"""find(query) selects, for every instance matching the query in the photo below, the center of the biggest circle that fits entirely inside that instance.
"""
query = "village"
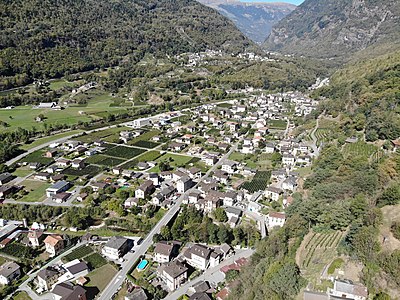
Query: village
(236, 161)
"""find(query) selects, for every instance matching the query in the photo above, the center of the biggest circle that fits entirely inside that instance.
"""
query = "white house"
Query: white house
(349, 290)
(198, 256)
(183, 184)
(273, 193)
(115, 248)
(229, 166)
(163, 252)
(9, 272)
(276, 219)
(174, 274)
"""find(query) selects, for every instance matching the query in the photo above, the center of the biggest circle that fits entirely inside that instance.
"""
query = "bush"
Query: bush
(395, 229)
(337, 263)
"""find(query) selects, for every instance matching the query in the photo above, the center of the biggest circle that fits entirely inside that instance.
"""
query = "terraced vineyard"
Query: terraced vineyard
(323, 135)
(316, 252)
(369, 151)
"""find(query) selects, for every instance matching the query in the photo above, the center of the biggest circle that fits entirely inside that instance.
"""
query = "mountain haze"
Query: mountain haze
(49, 38)
(254, 19)
(336, 29)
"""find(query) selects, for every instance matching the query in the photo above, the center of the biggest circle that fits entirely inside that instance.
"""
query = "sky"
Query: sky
(296, 2)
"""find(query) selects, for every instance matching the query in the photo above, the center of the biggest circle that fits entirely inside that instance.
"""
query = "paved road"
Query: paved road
(209, 273)
(118, 280)
(314, 138)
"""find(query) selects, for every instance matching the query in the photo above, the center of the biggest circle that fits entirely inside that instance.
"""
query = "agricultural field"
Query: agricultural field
(90, 171)
(124, 152)
(259, 182)
(316, 252)
(368, 151)
(40, 141)
(146, 144)
(22, 171)
(323, 135)
(78, 253)
(111, 133)
(145, 157)
(95, 260)
(36, 189)
(277, 124)
(17, 250)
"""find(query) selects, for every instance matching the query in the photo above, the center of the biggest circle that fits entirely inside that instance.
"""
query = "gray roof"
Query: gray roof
(79, 267)
(174, 269)
(116, 242)
(8, 268)
(47, 273)
(201, 251)
(163, 248)
(200, 296)
(234, 210)
(137, 294)
(68, 291)
(59, 185)
(5, 176)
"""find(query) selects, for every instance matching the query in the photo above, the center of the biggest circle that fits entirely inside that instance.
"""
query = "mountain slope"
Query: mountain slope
(255, 20)
(336, 29)
(50, 38)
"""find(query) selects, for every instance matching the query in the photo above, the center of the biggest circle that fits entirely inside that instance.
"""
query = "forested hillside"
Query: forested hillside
(336, 29)
(370, 93)
(51, 38)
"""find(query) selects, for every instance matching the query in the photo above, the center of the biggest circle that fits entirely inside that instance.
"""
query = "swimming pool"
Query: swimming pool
(142, 265)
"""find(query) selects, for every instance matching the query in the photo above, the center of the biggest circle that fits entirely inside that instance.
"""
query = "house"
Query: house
(276, 219)
(183, 184)
(34, 165)
(253, 207)
(42, 176)
(99, 186)
(210, 160)
(58, 187)
(61, 197)
(194, 173)
(278, 175)
(273, 193)
(73, 270)
(233, 212)
(47, 277)
(163, 252)
(174, 274)
(45, 105)
(82, 197)
(68, 291)
(54, 244)
(288, 160)
(62, 162)
(269, 148)
(138, 123)
(117, 171)
(154, 178)
(131, 202)
(349, 290)
(115, 248)
(230, 198)
(5, 178)
(396, 145)
(229, 166)
(9, 272)
(125, 136)
(290, 184)
(78, 164)
(35, 238)
(137, 294)
(174, 146)
(198, 256)
(145, 189)
(6, 190)
(212, 201)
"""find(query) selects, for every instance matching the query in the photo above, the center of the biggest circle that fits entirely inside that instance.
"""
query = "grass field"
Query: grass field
(123, 152)
(37, 156)
(36, 189)
(22, 171)
(88, 170)
(95, 260)
(145, 136)
(78, 253)
(21, 296)
(101, 277)
(175, 161)
(277, 124)
(101, 134)
(47, 139)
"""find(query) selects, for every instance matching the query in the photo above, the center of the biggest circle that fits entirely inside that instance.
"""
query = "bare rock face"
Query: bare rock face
(336, 29)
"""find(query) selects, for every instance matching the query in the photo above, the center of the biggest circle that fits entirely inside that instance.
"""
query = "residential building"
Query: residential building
(163, 252)
(145, 189)
(58, 187)
(115, 248)
(47, 277)
(276, 219)
(273, 193)
(54, 244)
(35, 238)
(6, 190)
(5, 178)
(349, 290)
(68, 291)
(174, 274)
(9, 272)
(183, 184)
(288, 160)
(229, 166)
(198, 256)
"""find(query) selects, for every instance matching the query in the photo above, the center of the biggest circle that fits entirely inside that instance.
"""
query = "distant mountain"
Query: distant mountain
(337, 29)
(255, 20)
(50, 38)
